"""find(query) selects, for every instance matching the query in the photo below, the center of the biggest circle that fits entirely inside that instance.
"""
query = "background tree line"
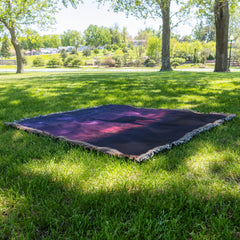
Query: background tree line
(195, 48)
(17, 15)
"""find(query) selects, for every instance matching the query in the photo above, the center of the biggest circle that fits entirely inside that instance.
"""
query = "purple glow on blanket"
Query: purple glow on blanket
(132, 131)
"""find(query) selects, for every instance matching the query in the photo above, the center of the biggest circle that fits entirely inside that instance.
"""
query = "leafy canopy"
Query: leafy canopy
(21, 13)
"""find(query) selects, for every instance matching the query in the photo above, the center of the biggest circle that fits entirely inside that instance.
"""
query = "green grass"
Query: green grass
(53, 190)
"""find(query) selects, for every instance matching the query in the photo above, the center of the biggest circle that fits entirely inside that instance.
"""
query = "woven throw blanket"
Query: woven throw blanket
(122, 130)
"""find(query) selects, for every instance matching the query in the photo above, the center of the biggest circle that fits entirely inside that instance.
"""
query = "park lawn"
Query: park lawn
(53, 190)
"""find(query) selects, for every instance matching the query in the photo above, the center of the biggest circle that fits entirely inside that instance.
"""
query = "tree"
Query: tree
(51, 41)
(144, 9)
(221, 10)
(165, 9)
(144, 35)
(115, 35)
(154, 48)
(15, 15)
(72, 38)
(205, 32)
(97, 36)
(31, 41)
(124, 35)
(5, 50)
(234, 25)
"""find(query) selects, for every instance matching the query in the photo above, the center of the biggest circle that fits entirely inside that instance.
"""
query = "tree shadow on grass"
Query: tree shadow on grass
(43, 206)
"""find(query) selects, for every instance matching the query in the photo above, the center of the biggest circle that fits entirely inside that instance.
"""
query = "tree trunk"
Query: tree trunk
(221, 12)
(17, 48)
(165, 8)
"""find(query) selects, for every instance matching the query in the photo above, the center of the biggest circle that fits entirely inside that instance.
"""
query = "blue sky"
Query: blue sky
(89, 13)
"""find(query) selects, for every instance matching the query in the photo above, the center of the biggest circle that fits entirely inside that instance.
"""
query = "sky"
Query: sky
(88, 13)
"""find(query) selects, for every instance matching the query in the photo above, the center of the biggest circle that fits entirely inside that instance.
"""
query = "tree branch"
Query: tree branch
(5, 23)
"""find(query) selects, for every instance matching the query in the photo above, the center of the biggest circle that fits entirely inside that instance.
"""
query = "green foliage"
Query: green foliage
(54, 62)
(115, 47)
(71, 38)
(77, 62)
(109, 47)
(51, 41)
(73, 61)
(118, 52)
(96, 50)
(234, 25)
(31, 40)
(124, 35)
(150, 62)
(175, 64)
(17, 14)
(145, 35)
(140, 51)
(178, 60)
(63, 54)
(192, 50)
(195, 57)
(119, 60)
(126, 59)
(205, 33)
(86, 52)
(138, 62)
(97, 36)
(154, 48)
(125, 50)
(74, 51)
(105, 51)
(5, 49)
(38, 62)
(115, 35)
(68, 60)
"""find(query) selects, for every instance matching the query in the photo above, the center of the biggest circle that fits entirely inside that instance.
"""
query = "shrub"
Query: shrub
(97, 62)
(86, 52)
(130, 63)
(68, 60)
(126, 59)
(115, 46)
(118, 52)
(138, 62)
(54, 62)
(74, 51)
(175, 64)
(76, 62)
(109, 61)
(105, 52)
(125, 50)
(63, 54)
(203, 59)
(178, 60)
(119, 60)
(96, 50)
(150, 62)
(38, 62)
(109, 48)
(131, 46)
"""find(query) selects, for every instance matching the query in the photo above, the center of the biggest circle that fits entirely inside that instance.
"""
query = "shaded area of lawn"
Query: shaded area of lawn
(52, 190)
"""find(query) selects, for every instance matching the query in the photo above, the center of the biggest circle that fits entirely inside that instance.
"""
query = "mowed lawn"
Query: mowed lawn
(53, 190)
